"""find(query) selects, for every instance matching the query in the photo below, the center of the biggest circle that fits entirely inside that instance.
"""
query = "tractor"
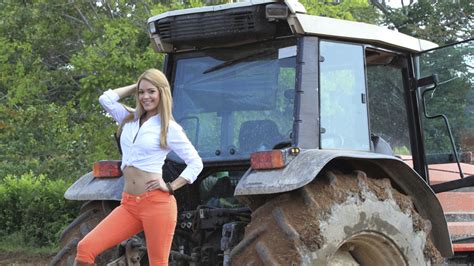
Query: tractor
(324, 142)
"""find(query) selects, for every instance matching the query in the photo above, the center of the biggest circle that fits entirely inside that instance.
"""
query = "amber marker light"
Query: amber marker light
(294, 151)
(107, 169)
(267, 160)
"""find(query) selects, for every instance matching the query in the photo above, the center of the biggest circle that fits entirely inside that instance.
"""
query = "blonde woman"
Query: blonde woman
(148, 134)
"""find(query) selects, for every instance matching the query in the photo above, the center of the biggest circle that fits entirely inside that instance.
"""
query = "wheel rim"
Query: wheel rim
(368, 248)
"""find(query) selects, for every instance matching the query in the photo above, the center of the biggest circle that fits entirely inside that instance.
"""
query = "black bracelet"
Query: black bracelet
(170, 188)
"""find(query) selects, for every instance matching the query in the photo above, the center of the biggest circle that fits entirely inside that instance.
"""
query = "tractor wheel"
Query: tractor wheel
(338, 219)
(91, 214)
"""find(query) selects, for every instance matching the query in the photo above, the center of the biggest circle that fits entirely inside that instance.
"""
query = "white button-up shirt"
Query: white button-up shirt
(141, 145)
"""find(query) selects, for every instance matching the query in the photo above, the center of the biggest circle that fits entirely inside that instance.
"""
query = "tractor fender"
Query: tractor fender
(306, 166)
(87, 187)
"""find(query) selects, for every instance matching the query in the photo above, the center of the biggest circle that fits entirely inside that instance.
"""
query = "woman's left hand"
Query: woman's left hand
(155, 184)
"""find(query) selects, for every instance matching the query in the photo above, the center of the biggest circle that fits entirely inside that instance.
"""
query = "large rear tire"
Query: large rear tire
(338, 219)
(91, 214)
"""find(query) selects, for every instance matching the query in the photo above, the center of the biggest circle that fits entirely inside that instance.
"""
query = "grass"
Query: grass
(15, 243)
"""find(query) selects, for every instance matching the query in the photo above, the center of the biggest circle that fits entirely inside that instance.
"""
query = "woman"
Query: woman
(148, 134)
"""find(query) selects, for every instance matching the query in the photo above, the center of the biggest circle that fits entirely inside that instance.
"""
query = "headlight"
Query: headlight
(151, 28)
(276, 11)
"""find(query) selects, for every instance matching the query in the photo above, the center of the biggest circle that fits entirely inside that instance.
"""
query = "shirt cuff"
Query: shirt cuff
(191, 173)
(188, 175)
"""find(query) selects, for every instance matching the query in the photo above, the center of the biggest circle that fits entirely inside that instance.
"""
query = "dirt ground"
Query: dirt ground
(18, 258)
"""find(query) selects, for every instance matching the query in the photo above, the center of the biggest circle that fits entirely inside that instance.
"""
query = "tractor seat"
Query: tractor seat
(380, 145)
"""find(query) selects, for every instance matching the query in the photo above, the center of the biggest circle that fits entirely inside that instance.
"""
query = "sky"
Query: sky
(397, 3)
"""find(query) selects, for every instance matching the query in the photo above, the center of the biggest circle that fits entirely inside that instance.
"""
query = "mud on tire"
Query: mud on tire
(91, 214)
(338, 219)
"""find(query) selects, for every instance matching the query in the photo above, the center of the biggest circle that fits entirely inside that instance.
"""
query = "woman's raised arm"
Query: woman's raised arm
(110, 101)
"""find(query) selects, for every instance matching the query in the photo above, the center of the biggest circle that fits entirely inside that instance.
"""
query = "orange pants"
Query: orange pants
(153, 212)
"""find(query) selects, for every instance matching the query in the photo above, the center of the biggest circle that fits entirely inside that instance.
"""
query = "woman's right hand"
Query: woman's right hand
(156, 184)
(126, 90)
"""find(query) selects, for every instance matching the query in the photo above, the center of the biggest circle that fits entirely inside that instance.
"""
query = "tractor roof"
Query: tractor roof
(304, 24)
(358, 31)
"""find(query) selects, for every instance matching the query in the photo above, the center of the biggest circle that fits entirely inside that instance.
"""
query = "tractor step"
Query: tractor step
(463, 247)
(458, 209)
(440, 173)
(462, 235)
(457, 202)
(461, 229)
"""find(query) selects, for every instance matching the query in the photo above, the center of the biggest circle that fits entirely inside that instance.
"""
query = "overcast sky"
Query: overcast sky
(397, 3)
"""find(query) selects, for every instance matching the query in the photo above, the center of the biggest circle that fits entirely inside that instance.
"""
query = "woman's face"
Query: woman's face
(148, 96)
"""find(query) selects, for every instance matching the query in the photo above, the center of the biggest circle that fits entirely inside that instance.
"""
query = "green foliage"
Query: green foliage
(439, 21)
(17, 57)
(16, 243)
(34, 207)
(52, 73)
(403, 150)
(355, 10)
(54, 140)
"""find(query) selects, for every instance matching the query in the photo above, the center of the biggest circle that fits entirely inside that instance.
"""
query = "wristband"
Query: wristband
(170, 188)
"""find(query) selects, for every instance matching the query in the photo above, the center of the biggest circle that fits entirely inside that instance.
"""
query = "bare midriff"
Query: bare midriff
(136, 180)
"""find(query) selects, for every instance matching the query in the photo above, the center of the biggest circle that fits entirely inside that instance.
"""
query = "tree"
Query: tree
(439, 21)
(55, 61)
(355, 10)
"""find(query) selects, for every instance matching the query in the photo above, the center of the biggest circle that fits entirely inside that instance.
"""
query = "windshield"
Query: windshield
(232, 102)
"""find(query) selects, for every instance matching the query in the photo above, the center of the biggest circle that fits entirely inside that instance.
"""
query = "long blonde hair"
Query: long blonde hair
(165, 106)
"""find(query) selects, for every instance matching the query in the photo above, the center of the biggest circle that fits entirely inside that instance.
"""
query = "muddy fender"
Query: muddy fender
(90, 188)
(305, 167)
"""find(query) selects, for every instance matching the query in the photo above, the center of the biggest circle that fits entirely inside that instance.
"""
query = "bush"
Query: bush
(57, 141)
(34, 207)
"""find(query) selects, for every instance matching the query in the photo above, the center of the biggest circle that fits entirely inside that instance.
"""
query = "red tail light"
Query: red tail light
(267, 160)
(273, 159)
(107, 169)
